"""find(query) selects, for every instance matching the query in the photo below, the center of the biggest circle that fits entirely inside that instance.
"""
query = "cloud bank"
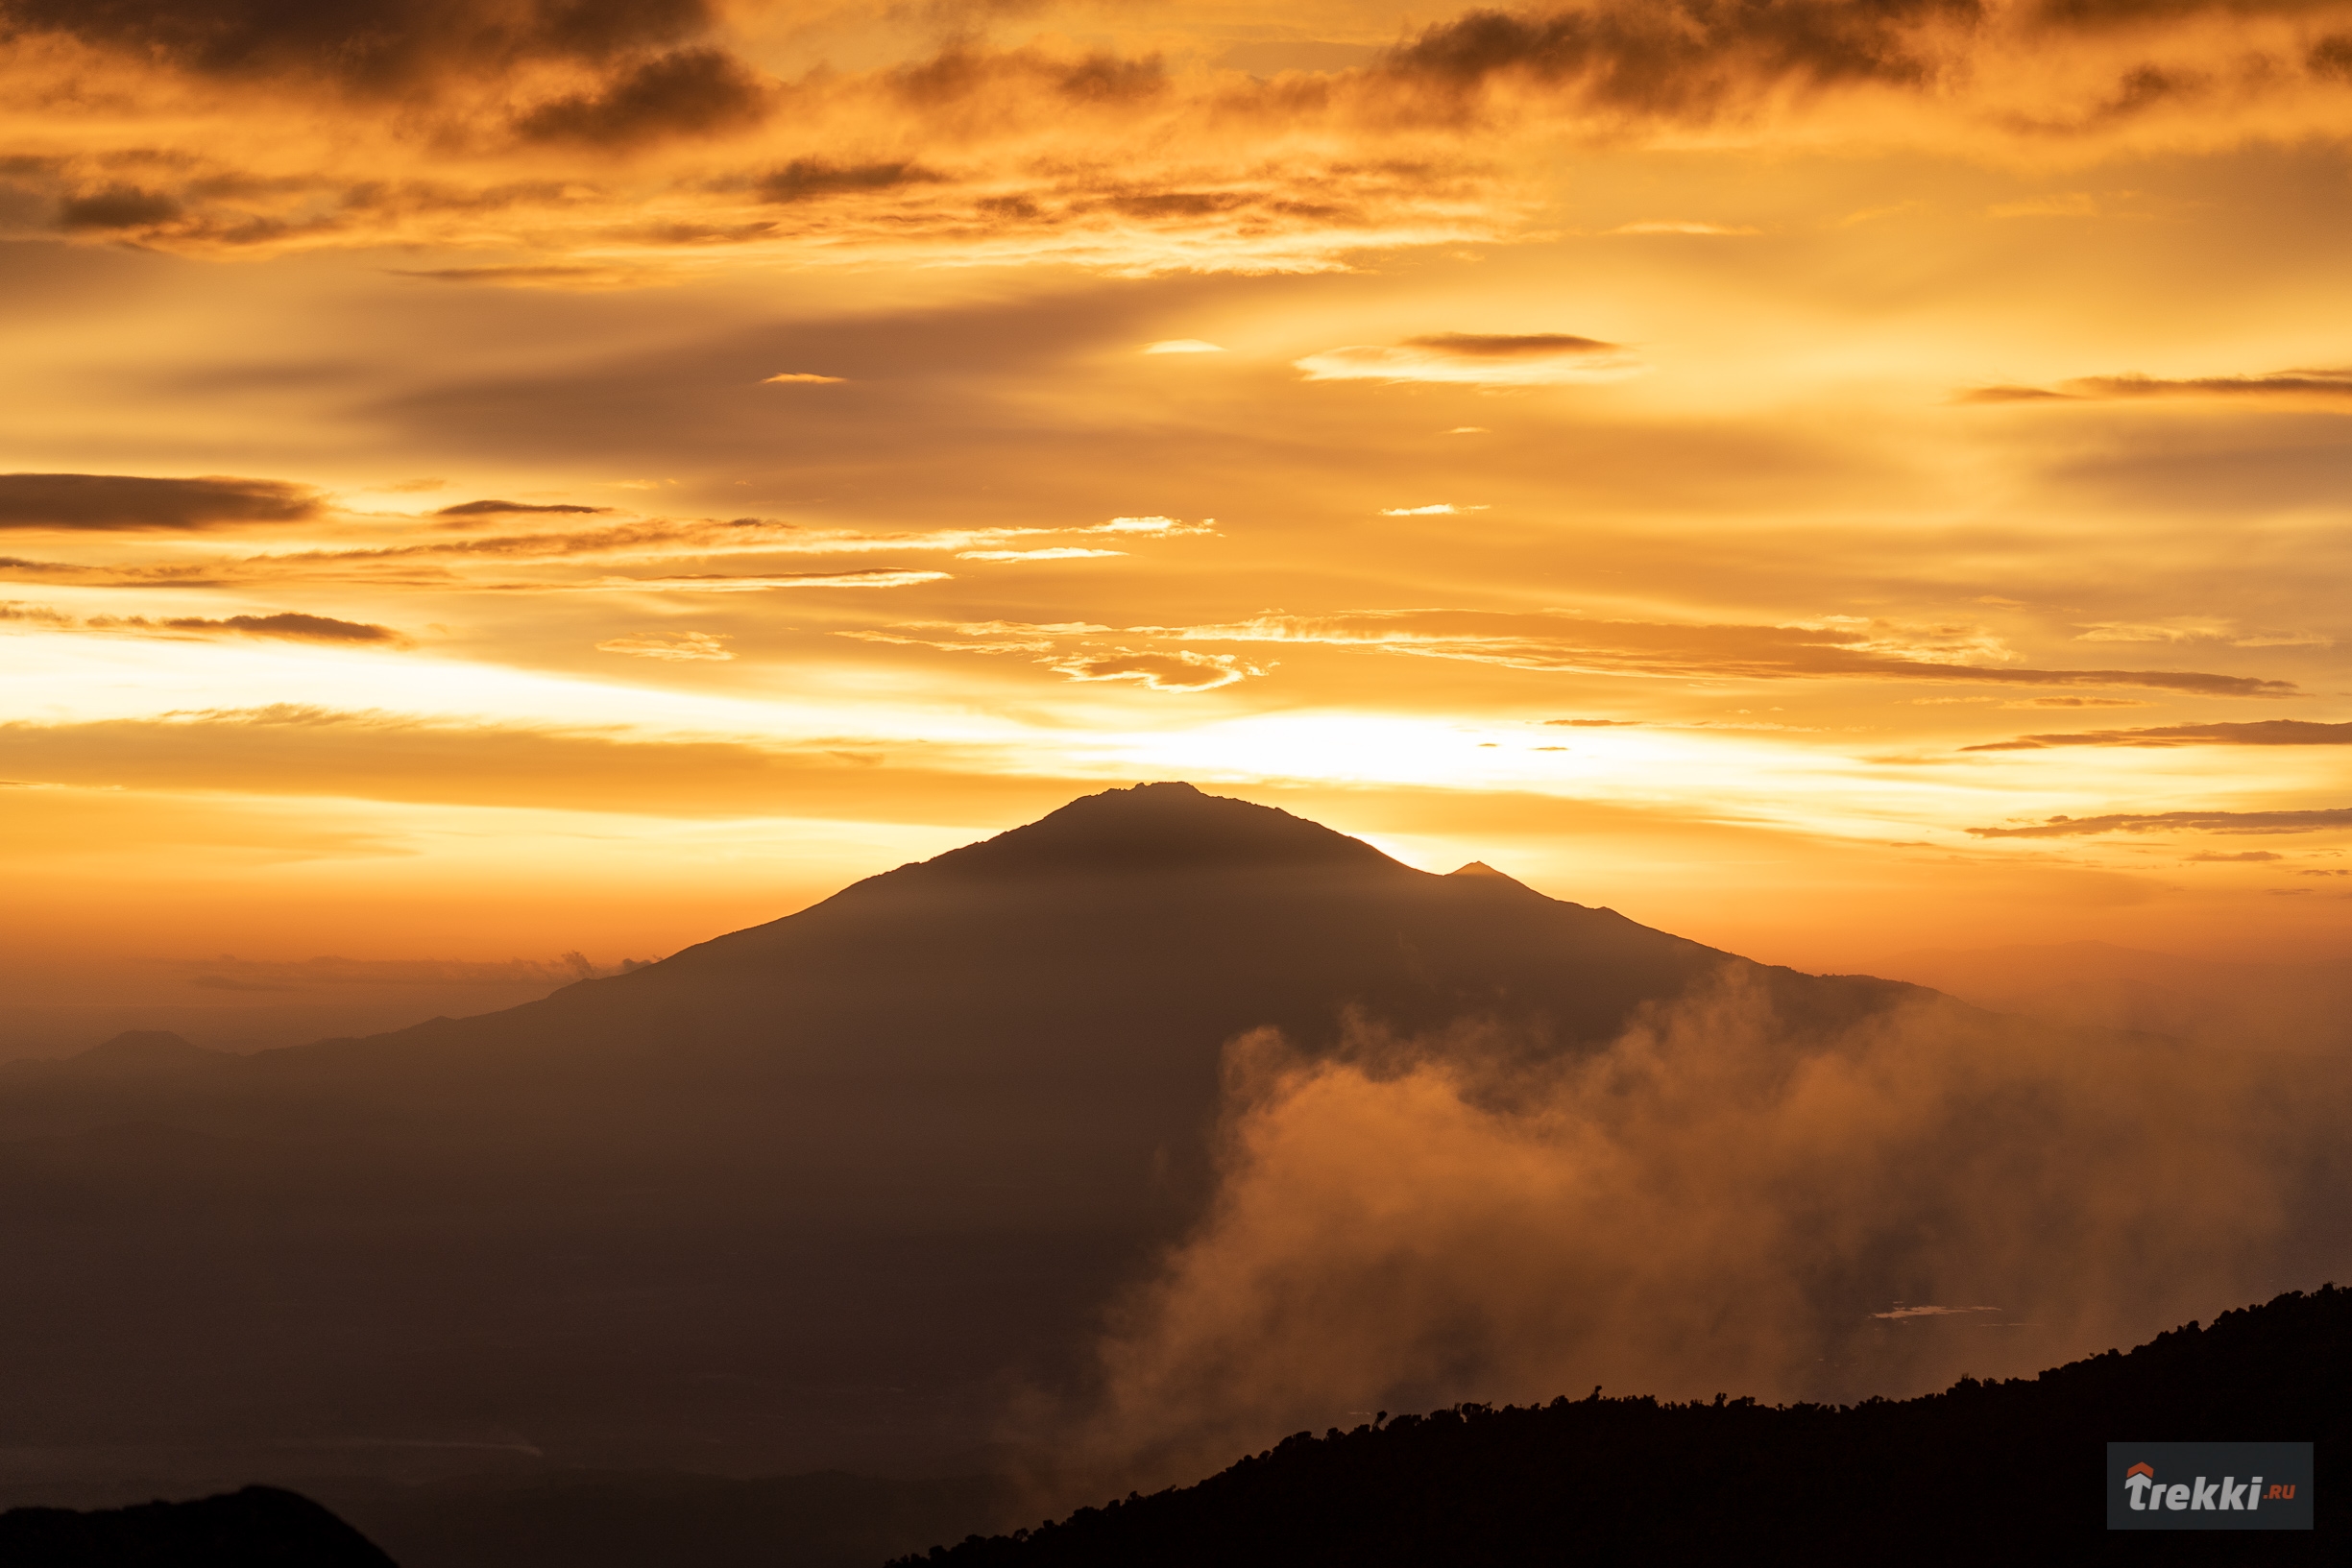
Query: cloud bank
(651, 136)
(1722, 1200)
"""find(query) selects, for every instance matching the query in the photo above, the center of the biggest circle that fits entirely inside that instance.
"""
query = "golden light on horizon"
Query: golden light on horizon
(1747, 493)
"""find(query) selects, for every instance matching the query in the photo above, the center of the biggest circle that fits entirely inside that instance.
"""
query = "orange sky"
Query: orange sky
(591, 477)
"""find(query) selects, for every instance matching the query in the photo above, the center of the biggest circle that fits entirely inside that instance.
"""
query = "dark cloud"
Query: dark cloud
(1680, 57)
(2272, 731)
(118, 207)
(692, 92)
(1511, 345)
(805, 180)
(2010, 395)
(1477, 359)
(371, 45)
(2331, 57)
(485, 509)
(2292, 383)
(1102, 77)
(1180, 204)
(959, 74)
(120, 501)
(551, 275)
(285, 623)
(2213, 858)
(2203, 822)
(289, 624)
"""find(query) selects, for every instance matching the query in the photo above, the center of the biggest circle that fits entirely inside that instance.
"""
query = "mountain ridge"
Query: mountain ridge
(994, 1074)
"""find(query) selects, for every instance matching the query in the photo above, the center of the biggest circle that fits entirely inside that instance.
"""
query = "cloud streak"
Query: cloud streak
(1837, 649)
(2327, 386)
(2203, 822)
(1486, 360)
(285, 625)
(109, 502)
(1183, 671)
(2275, 732)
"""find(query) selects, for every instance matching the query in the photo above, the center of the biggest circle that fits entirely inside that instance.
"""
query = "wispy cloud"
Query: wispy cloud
(1836, 647)
(1182, 672)
(2203, 822)
(1531, 359)
(444, 559)
(2274, 732)
(2333, 385)
(748, 583)
(285, 625)
(2199, 629)
(1059, 552)
(499, 509)
(684, 647)
(1677, 226)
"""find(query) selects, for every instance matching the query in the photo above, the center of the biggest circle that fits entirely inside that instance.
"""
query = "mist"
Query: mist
(1718, 1202)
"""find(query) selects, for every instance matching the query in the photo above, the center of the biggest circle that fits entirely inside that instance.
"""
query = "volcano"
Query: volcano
(811, 1192)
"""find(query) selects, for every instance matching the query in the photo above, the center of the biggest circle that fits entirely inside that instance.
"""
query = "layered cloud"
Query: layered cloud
(448, 557)
(646, 137)
(1839, 649)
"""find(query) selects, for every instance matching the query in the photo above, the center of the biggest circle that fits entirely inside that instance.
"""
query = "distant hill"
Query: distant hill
(710, 1213)
(2003, 1472)
(2294, 1008)
(260, 1526)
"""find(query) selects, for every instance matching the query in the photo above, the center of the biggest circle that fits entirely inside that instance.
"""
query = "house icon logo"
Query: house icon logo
(2139, 1470)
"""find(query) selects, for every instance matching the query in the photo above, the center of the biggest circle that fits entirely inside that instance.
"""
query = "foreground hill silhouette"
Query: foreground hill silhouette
(260, 1526)
(2001, 1472)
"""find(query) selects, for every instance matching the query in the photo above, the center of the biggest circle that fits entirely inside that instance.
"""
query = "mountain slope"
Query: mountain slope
(719, 1207)
(1985, 1472)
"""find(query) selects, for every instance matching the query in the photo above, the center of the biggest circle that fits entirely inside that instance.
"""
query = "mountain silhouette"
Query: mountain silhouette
(258, 1527)
(807, 1194)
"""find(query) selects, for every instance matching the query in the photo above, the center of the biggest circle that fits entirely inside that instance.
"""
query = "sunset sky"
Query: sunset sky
(492, 477)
